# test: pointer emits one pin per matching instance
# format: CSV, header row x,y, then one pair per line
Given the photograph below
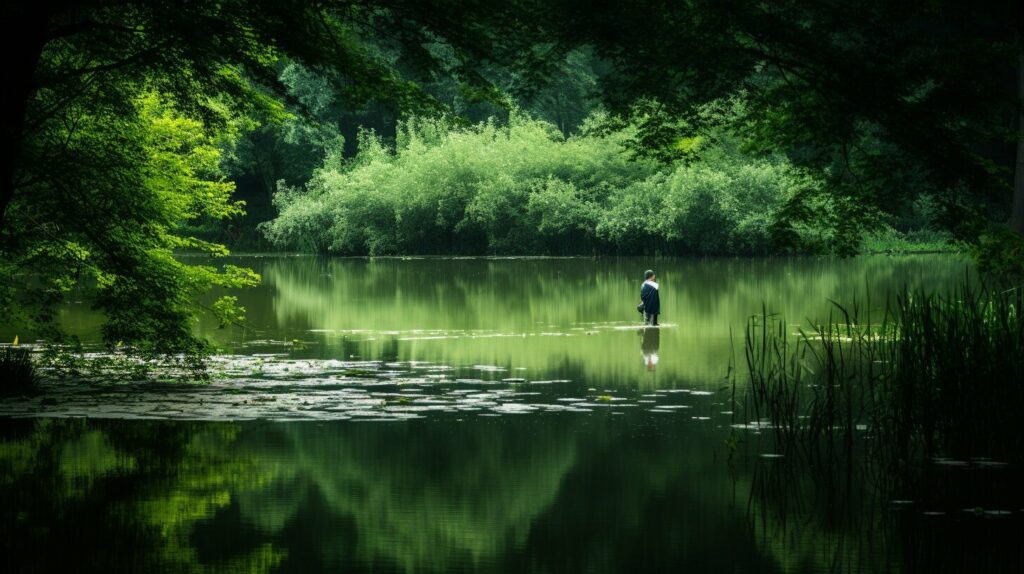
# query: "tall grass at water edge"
x,y
927,376
18,374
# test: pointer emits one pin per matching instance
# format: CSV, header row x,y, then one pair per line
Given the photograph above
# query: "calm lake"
x,y
497,415
545,318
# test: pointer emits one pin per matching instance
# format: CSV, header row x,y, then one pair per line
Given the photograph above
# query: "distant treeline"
x,y
525,188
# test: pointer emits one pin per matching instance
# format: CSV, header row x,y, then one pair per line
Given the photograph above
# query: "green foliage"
x,y
727,205
1000,255
891,240
227,311
524,188
120,114
106,226
887,101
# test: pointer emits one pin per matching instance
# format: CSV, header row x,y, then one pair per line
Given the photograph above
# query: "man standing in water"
x,y
650,299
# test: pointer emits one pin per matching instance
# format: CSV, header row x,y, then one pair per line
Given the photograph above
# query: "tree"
x,y
114,112
876,94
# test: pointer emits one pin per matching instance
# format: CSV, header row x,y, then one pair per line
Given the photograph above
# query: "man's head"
x,y
649,275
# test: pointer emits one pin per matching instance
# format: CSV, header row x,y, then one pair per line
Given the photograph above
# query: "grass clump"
x,y
933,376
17,371
892,241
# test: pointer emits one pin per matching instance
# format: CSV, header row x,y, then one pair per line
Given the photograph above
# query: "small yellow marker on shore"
x,y
15,343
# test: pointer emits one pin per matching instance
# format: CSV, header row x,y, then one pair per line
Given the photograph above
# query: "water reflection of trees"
x,y
600,493
544,491
844,514
520,294
418,496
118,496
703,298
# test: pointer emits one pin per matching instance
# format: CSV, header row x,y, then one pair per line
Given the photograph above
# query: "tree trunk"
x,y
1017,217
23,51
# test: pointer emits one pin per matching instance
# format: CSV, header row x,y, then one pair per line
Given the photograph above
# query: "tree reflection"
x,y
484,493
598,492
583,301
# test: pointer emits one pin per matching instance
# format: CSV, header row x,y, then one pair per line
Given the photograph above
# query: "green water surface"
x,y
547,318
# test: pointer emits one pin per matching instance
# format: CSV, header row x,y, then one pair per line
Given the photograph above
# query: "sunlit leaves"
x,y
525,188
227,311
114,214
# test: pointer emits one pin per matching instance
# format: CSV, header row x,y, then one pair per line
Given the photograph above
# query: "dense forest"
x,y
135,131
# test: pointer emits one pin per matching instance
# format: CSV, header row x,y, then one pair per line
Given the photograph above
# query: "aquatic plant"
x,y
17,371
938,375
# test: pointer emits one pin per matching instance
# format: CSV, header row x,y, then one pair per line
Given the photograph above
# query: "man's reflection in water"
x,y
649,345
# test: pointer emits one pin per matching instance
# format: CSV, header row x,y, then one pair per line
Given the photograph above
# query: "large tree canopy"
x,y
115,114
894,99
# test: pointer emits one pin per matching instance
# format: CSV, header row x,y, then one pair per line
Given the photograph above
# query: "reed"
x,y
17,372
928,375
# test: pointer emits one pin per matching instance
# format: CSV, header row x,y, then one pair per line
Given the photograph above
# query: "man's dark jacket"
x,y
651,299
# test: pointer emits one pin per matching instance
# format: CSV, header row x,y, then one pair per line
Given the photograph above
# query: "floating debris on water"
x,y
490,368
280,386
